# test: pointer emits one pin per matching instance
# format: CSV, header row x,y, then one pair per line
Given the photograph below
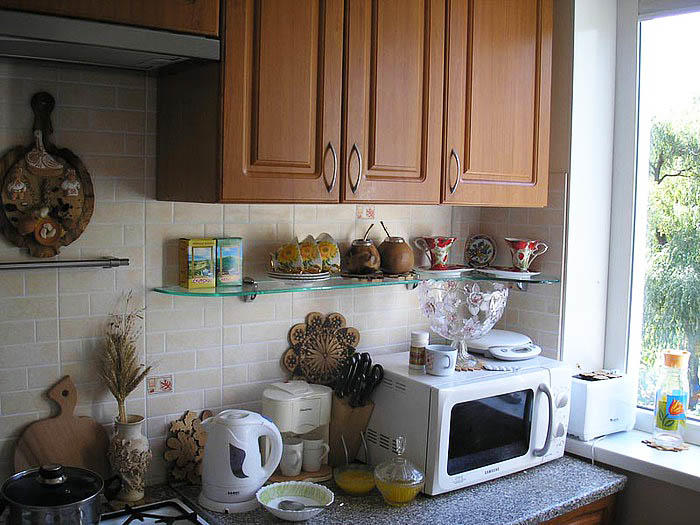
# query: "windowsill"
x,y
625,450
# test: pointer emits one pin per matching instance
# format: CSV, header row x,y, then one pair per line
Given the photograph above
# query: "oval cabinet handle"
x,y
453,187
355,149
330,186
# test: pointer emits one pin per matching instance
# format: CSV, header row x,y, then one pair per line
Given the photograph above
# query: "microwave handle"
x,y
548,441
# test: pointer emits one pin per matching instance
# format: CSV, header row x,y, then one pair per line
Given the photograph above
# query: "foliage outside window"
x,y
670,195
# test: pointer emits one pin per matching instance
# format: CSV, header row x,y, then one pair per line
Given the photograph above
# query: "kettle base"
x,y
227,508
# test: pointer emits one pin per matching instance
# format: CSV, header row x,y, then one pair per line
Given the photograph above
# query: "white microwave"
x,y
470,427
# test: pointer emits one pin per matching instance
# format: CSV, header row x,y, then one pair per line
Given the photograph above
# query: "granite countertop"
x,y
531,496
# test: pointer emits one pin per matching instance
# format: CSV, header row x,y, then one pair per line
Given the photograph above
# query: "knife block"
x,y
346,422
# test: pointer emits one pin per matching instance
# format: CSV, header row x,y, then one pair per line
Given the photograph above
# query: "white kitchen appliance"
x,y
602,407
504,345
232,468
471,426
298,407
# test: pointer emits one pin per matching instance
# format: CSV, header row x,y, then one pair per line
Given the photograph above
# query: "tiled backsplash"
x,y
221,352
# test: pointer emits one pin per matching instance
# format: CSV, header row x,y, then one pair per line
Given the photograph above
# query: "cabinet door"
x,y
498,82
282,100
393,101
187,16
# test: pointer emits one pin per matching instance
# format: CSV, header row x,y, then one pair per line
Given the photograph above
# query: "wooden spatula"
x,y
66,439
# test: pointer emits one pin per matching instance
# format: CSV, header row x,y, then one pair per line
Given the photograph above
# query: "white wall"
x,y
589,190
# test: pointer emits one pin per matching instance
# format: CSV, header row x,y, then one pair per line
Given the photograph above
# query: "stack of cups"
x,y
302,454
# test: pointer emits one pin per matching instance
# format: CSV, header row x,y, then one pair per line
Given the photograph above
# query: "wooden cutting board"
x,y
66,438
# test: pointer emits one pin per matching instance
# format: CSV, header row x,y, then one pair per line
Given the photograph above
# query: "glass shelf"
x,y
266,285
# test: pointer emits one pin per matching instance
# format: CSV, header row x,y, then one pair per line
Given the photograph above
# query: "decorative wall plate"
x,y
320,347
480,251
185,447
46,192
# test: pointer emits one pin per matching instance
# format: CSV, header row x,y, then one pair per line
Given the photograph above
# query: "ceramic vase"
x,y
130,456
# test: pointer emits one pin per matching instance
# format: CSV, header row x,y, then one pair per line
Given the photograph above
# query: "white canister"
x,y
440,360
416,355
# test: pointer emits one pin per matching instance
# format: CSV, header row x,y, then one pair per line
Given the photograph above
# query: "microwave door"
x,y
489,431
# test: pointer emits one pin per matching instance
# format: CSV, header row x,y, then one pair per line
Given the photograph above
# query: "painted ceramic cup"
x,y
437,248
524,251
440,360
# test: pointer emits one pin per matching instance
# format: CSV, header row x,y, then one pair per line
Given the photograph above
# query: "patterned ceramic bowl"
x,y
302,491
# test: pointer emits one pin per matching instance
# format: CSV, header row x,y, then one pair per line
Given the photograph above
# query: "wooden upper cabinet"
x,y
392,110
282,93
497,102
186,16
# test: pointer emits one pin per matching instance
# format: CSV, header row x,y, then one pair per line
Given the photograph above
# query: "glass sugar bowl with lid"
x,y
398,479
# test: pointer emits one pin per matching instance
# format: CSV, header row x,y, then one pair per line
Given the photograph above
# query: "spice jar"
x,y
398,479
416,355
671,399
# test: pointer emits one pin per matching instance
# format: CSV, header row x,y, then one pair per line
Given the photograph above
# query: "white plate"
x,y
453,270
507,273
299,276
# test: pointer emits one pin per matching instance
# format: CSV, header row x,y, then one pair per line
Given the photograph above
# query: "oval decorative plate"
x,y
320,347
480,251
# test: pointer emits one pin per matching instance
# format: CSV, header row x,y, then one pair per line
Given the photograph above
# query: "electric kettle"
x,y
232,469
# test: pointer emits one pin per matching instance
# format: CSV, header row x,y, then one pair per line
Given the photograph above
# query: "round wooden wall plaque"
x,y
47,194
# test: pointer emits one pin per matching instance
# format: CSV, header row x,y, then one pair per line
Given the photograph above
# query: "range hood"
x,y
28,35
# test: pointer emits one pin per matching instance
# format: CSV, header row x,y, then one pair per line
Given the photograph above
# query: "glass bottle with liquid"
x,y
672,395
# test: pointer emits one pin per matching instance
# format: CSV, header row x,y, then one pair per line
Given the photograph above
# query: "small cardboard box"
x,y
229,261
197,263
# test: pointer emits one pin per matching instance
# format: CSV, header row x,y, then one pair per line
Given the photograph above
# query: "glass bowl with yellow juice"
x,y
355,479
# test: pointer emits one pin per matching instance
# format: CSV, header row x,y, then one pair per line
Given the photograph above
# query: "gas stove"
x,y
168,512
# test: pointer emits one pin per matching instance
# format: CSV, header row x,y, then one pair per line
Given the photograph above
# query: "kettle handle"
x,y
270,430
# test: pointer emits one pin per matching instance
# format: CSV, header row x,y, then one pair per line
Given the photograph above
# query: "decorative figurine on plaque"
x,y
47,197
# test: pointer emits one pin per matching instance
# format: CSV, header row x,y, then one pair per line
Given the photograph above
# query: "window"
x,y
665,286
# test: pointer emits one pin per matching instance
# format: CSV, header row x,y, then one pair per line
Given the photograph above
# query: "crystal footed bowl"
x,y
462,310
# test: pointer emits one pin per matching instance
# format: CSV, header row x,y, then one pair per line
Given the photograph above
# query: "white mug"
x,y
292,453
440,360
315,451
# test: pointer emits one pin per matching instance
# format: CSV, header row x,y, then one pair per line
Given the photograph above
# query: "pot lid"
x,y
52,486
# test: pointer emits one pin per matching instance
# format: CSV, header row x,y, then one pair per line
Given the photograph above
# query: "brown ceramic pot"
x,y
362,257
396,255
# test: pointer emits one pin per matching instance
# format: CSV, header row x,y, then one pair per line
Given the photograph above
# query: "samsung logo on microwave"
x,y
491,470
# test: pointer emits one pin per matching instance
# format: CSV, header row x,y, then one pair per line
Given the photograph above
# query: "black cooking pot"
x,y
55,494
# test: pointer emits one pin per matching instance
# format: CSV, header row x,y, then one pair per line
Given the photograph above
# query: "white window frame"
x,y
618,353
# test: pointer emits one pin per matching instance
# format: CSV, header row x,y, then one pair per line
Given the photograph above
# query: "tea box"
x,y
229,261
197,258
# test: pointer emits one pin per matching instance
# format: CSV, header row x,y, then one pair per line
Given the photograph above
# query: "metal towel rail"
x,y
105,262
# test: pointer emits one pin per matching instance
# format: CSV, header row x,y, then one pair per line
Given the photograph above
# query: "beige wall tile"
x,y
40,282
197,380
23,402
174,403
12,426
15,309
46,330
13,379
12,284
17,332
41,376
192,339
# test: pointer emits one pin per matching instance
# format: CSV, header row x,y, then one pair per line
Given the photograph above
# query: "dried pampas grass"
x,y
119,367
